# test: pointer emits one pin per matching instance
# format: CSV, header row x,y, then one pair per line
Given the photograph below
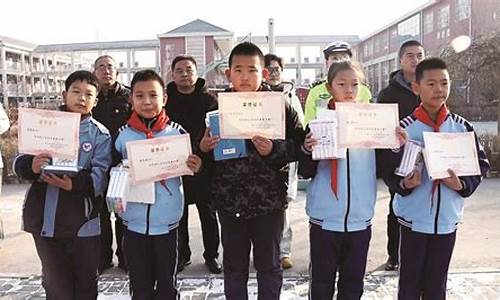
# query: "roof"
x,y
196,27
15,43
95,46
302,39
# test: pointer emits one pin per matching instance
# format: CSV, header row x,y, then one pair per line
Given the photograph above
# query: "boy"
x,y
150,236
250,192
62,213
429,211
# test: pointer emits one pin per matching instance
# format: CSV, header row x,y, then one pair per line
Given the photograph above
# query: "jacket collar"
x,y
424,117
160,123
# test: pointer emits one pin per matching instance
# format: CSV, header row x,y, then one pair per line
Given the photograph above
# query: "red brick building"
x,y
434,24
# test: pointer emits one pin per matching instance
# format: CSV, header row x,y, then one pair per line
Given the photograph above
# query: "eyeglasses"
x,y
181,72
106,67
274,69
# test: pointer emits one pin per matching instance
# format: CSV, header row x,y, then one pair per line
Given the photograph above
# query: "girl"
x,y
340,202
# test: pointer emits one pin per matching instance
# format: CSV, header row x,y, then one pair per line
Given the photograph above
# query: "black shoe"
x,y
182,264
213,265
391,264
103,267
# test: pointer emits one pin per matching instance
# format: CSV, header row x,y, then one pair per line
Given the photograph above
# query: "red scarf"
x,y
334,163
137,123
423,117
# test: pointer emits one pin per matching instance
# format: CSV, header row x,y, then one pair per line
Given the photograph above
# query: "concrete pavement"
x,y
476,257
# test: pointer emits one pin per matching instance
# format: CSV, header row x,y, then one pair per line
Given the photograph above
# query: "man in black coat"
x,y
399,91
112,110
187,104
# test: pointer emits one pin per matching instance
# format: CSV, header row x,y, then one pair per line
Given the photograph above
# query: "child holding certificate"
x,y
62,213
340,202
429,210
150,237
250,192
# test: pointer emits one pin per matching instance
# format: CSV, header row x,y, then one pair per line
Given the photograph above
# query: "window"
x,y
444,17
428,22
463,9
409,29
385,40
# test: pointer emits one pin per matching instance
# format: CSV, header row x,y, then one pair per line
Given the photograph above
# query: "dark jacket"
x,y
189,110
398,91
53,212
113,110
254,185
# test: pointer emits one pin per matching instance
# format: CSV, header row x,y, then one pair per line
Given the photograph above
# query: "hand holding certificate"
x,y
368,125
244,115
325,131
159,158
47,131
455,151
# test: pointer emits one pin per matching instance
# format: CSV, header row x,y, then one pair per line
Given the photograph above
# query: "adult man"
x,y
274,65
319,96
112,110
399,91
187,104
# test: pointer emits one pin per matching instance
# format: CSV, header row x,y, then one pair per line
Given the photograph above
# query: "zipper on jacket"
x,y
437,209
147,219
348,191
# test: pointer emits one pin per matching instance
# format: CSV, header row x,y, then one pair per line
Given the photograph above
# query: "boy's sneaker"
x,y
391,264
286,263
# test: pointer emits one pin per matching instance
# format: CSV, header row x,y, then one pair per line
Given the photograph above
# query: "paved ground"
x,y
475,265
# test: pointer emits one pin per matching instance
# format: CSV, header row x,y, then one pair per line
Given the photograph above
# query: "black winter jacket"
x,y
254,185
189,110
396,92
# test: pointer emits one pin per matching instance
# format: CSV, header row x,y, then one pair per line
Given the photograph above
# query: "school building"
x,y
34,75
435,25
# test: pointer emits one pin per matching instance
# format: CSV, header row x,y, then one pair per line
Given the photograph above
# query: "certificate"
x,y
368,125
245,115
49,131
325,131
159,158
456,151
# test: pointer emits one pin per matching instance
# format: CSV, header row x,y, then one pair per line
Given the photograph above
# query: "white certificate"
x,y
325,131
244,115
367,125
456,151
49,131
159,158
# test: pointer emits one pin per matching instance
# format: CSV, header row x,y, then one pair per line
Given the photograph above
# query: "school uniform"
x,y
429,213
65,224
340,204
150,237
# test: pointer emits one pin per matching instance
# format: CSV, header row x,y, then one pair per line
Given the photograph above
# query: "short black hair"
x,y
101,57
146,75
432,63
181,58
409,43
268,58
81,75
246,49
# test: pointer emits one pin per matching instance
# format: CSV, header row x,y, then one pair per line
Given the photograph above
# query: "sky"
x,y
69,21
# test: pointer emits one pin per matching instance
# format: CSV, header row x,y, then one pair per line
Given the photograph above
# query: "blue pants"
x,y
152,265
332,251
423,264
264,233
